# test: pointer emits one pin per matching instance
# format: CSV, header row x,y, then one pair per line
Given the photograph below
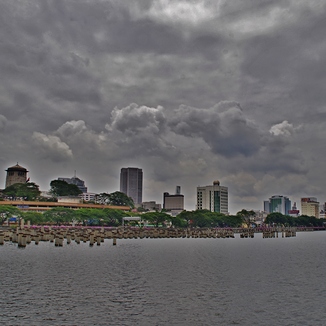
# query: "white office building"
x,y
213,198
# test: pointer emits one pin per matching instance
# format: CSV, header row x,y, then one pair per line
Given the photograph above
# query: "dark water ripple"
x,y
166,282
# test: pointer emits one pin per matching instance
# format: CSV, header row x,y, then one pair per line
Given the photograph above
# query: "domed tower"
x,y
16,174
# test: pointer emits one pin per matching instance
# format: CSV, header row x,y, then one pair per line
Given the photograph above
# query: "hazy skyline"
x,y
188,91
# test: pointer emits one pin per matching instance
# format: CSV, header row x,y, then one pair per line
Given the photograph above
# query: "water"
x,y
166,282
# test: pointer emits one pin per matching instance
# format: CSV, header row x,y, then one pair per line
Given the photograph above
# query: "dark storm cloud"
x,y
224,127
229,90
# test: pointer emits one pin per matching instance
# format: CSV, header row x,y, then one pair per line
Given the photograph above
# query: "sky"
x,y
189,91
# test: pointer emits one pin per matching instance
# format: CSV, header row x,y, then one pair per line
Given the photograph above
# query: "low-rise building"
x,y
88,196
38,206
151,206
173,202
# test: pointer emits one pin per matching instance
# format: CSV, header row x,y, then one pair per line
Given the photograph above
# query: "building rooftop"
x,y
17,167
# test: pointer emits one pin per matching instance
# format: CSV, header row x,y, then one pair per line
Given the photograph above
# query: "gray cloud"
x,y
283,129
51,147
224,127
3,122
229,90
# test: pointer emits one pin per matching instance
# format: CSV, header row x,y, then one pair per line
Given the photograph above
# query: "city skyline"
x,y
276,203
190,91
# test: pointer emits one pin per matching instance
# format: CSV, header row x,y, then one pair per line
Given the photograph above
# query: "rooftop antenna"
x,y
75,174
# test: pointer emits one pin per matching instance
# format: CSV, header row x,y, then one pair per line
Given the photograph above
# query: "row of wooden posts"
x,y
24,235
285,233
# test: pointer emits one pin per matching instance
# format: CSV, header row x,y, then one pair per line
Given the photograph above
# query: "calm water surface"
x,y
166,282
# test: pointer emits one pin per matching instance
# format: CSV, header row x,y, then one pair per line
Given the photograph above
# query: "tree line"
x,y
113,217
302,220
29,191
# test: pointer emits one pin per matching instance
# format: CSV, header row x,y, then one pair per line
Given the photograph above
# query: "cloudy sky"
x,y
190,91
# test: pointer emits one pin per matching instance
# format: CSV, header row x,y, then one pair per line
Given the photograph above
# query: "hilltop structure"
x,y
213,198
16,174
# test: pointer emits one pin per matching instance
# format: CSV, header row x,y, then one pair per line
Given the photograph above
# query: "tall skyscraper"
x,y
131,183
279,204
213,198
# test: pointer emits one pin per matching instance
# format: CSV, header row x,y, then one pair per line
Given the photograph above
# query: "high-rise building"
x,y
16,174
213,198
279,204
76,181
310,206
131,183
173,202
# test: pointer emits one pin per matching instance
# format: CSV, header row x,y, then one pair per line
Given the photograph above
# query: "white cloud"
x,y
134,118
183,11
51,147
283,129
262,23
72,128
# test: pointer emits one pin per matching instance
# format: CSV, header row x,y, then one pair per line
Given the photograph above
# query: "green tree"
x,y
178,222
305,220
233,221
247,216
27,191
60,215
279,219
121,199
90,216
156,218
113,217
115,199
63,188
206,218
93,216
187,216
35,218
7,211
102,198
